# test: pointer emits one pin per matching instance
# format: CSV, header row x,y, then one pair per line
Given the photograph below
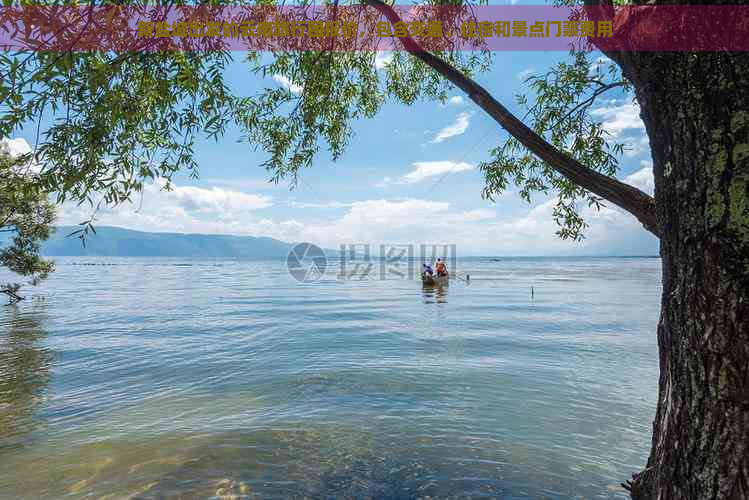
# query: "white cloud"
x,y
455,100
288,84
15,147
525,74
643,178
385,182
216,200
388,221
246,184
183,209
19,147
382,59
599,65
618,118
636,145
457,128
611,231
476,231
426,169
622,121
476,215
331,204
397,213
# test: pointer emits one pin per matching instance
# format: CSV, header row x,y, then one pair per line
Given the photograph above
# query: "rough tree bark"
x,y
696,112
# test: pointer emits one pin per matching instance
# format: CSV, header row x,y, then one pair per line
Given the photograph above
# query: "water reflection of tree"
x,y
24,373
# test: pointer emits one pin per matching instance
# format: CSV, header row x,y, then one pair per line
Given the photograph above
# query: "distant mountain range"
x,y
112,241
118,242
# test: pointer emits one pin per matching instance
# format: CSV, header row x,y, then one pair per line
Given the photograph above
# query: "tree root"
x,y
641,485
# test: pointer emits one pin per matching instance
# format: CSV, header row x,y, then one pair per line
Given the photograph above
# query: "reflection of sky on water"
x,y
151,379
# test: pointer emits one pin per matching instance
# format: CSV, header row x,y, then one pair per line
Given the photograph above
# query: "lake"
x,y
180,378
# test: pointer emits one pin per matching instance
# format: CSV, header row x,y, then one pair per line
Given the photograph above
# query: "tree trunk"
x,y
696,112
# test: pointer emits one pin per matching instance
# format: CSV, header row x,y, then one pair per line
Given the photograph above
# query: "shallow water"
x,y
156,378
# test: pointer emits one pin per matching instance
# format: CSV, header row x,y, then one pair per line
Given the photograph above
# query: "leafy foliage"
x,y
28,216
121,119
560,112
118,118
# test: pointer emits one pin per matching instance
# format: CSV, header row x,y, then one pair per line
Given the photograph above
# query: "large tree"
x,y
124,118
26,220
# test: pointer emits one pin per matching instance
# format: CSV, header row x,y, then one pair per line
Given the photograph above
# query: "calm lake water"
x,y
178,378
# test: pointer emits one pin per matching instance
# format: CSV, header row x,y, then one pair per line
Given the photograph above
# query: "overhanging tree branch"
x,y
631,199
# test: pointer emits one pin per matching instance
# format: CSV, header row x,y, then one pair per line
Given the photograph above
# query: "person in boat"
x,y
427,270
441,268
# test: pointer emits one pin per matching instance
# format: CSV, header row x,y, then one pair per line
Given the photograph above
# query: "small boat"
x,y
434,280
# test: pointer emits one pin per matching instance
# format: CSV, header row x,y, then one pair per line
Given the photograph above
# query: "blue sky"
x,y
408,176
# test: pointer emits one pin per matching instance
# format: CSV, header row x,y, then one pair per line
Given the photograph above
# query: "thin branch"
x,y
7,220
583,105
629,198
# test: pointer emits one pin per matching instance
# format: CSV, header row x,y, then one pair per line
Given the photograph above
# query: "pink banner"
x,y
358,27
